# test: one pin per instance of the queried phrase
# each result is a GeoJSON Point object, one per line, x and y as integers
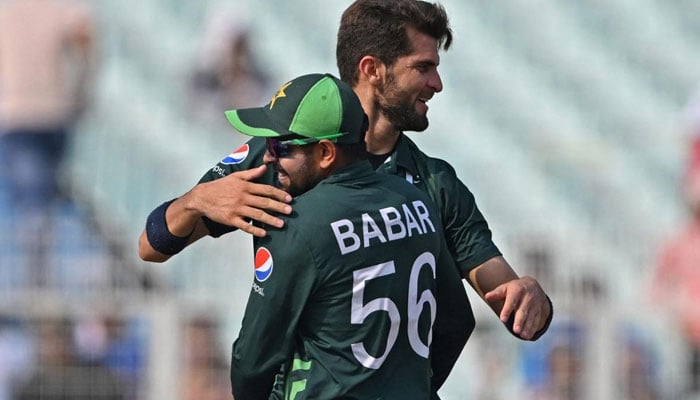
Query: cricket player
{"type": "Point", "coordinates": [355, 280]}
{"type": "Point", "coordinates": [388, 51]}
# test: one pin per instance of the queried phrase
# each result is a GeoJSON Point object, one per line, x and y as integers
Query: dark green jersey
{"type": "Point", "coordinates": [465, 229]}
{"type": "Point", "coordinates": [353, 284]}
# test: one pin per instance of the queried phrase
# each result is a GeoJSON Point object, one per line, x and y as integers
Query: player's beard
{"type": "Point", "coordinates": [303, 179]}
{"type": "Point", "coordinates": [396, 105]}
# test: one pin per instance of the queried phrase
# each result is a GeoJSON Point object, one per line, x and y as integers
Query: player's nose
{"type": "Point", "coordinates": [435, 82]}
{"type": "Point", "coordinates": [268, 158]}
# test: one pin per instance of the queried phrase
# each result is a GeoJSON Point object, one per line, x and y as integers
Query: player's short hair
{"type": "Point", "coordinates": [355, 151]}
{"type": "Point", "coordinates": [378, 28]}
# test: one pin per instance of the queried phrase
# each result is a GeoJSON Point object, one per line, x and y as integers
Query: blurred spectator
{"type": "Point", "coordinates": [206, 373]}
{"type": "Point", "coordinates": [538, 258]}
{"type": "Point", "coordinates": [553, 368]}
{"type": "Point", "coordinates": [107, 340]}
{"type": "Point", "coordinates": [495, 363]}
{"type": "Point", "coordinates": [676, 277]}
{"type": "Point", "coordinates": [45, 68]}
{"type": "Point", "coordinates": [638, 374]}
{"type": "Point", "coordinates": [58, 375]}
{"type": "Point", "coordinates": [15, 353]}
{"type": "Point", "coordinates": [227, 75]}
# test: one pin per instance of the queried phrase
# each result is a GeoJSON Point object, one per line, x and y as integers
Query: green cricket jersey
{"type": "Point", "coordinates": [353, 284]}
{"type": "Point", "coordinates": [466, 232]}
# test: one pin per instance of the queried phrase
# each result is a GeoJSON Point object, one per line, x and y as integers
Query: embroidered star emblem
{"type": "Point", "coordinates": [280, 93]}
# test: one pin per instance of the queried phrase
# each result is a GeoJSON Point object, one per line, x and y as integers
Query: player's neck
{"type": "Point", "coordinates": [381, 137]}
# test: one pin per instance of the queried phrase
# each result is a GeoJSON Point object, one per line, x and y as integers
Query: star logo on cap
{"type": "Point", "coordinates": [280, 93]}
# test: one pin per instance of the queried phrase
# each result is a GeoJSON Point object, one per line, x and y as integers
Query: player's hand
{"type": "Point", "coordinates": [525, 298]}
{"type": "Point", "coordinates": [234, 200]}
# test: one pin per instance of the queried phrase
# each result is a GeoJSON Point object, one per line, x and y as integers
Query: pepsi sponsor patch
{"type": "Point", "coordinates": [237, 156]}
{"type": "Point", "coordinates": [263, 264]}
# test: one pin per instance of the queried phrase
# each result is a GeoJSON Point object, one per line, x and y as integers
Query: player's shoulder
{"type": "Point", "coordinates": [330, 202]}
{"type": "Point", "coordinates": [401, 188]}
{"type": "Point", "coordinates": [243, 157]}
{"type": "Point", "coordinates": [425, 161]}
{"type": "Point", "coordinates": [437, 165]}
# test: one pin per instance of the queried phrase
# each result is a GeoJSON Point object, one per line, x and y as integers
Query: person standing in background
{"type": "Point", "coordinates": [58, 374]}
{"type": "Point", "coordinates": [205, 372]}
{"type": "Point", "coordinates": [226, 74]}
{"type": "Point", "coordinates": [46, 65]}
{"type": "Point", "coordinates": [675, 281]}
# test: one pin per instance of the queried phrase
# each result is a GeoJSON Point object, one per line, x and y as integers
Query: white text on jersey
{"type": "Point", "coordinates": [398, 223]}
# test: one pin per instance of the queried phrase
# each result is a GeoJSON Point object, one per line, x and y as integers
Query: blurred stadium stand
{"type": "Point", "coordinates": [564, 118]}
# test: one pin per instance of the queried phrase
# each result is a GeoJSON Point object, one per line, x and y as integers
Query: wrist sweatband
{"type": "Point", "coordinates": [158, 234]}
{"type": "Point", "coordinates": [546, 324]}
{"type": "Point", "coordinates": [538, 334]}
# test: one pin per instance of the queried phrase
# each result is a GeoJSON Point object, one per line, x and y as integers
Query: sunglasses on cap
{"type": "Point", "coordinates": [280, 148]}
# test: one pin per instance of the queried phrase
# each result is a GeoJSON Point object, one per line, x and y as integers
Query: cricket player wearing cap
{"type": "Point", "coordinates": [350, 293]}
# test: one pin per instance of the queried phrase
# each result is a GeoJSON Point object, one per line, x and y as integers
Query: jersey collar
{"type": "Point", "coordinates": [352, 172]}
{"type": "Point", "coordinates": [401, 158]}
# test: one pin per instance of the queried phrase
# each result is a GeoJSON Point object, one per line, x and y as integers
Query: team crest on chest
{"type": "Point", "coordinates": [237, 156]}
{"type": "Point", "coordinates": [263, 264]}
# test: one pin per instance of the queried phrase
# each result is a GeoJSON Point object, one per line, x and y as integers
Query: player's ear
{"type": "Point", "coordinates": [326, 153]}
{"type": "Point", "coordinates": [372, 69]}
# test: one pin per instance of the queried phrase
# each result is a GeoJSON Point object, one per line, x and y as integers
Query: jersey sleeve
{"type": "Point", "coordinates": [467, 233]}
{"type": "Point", "coordinates": [275, 306]}
{"type": "Point", "coordinates": [247, 156]}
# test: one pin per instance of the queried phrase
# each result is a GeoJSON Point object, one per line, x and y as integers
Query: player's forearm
{"type": "Point", "coordinates": [170, 228]}
{"type": "Point", "coordinates": [183, 214]}
{"type": "Point", "coordinates": [148, 253]}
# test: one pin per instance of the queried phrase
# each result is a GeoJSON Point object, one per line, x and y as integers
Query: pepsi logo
{"type": "Point", "coordinates": [237, 156]}
{"type": "Point", "coordinates": [263, 264]}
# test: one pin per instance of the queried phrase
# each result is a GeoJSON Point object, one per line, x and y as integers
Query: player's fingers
{"type": "Point", "coordinates": [523, 321]}
{"type": "Point", "coordinates": [510, 305]}
{"type": "Point", "coordinates": [499, 296]}
{"type": "Point", "coordinates": [270, 191]}
{"type": "Point", "coordinates": [250, 174]}
{"type": "Point", "coordinates": [259, 215]}
{"type": "Point", "coordinates": [499, 293]}
{"type": "Point", "coordinates": [261, 189]}
{"type": "Point", "coordinates": [269, 198]}
{"type": "Point", "coordinates": [534, 303]}
{"type": "Point", "coordinates": [530, 323]}
{"type": "Point", "coordinates": [253, 230]}
{"type": "Point", "coordinates": [248, 227]}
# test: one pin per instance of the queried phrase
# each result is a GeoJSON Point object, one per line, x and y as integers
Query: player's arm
{"type": "Point", "coordinates": [520, 302]}
{"type": "Point", "coordinates": [233, 201]}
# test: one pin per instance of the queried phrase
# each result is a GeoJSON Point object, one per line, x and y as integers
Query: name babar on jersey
{"type": "Point", "coordinates": [395, 223]}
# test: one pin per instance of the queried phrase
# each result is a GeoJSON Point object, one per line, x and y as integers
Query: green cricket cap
{"type": "Point", "coordinates": [318, 106]}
